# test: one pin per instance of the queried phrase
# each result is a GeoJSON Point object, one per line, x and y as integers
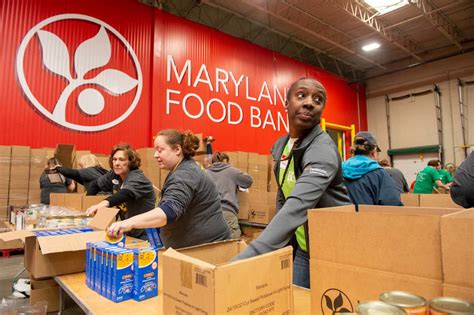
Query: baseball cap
{"type": "Point", "coordinates": [366, 137]}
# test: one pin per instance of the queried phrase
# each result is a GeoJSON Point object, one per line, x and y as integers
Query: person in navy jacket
{"type": "Point", "coordinates": [367, 182]}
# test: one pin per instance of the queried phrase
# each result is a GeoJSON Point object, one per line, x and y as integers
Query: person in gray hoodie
{"type": "Point", "coordinates": [228, 179]}
{"type": "Point", "coordinates": [309, 174]}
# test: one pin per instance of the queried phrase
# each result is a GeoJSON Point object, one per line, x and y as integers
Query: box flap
{"type": "Point", "coordinates": [103, 218]}
{"type": "Point", "coordinates": [68, 242]}
{"type": "Point", "coordinates": [15, 235]}
{"type": "Point", "coordinates": [213, 253]}
{"type": "Point", "coordinates": [408, 210]}
{"type": "Point", "coordinates": [387, 240]}
{"type": "Point", "coordinates": [437, 200]}
{"type": "Point", "coordinates": [457, 241]}
{"type": "Point", "coordinates": [171, 253]}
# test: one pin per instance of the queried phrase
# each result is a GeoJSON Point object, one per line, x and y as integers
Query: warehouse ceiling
{"type": "Point", "coordinates": [330, 34]}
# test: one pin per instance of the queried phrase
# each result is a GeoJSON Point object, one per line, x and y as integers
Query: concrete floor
{"type": "Point", "coordinates": [10, 267]}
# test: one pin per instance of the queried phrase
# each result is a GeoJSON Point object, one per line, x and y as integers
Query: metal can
{"type": "Point", "coordinates": [378, 308]}
{"type": "Point", "coordinates": [411, 303]}
{"type": "Point", "coordinates": [450, 306]}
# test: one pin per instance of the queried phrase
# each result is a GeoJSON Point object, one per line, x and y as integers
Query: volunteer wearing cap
{"type": "Point", "coordinates": [308, 171]}
{"type": "Point", "coordinates": [367, 182]}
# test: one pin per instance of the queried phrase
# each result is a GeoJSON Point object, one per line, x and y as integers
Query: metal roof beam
{"type": "Point", "coordinates": [251, 4]}
{"type": "Point", "coordinates": [364, 15]}
{"type": "Point", "coordinates": [438, 19]}
{"type": "Point", "coordinates": [291, 39]}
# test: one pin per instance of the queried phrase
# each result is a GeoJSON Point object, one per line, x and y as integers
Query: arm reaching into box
{"type": "Point", "coordinates": [93, 209]}
{"type": "Point", "coordinates": [153, 218]}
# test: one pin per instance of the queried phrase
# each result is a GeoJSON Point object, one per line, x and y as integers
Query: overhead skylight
{"type": "Point", "coordinates": [385, 6]}
{"type": "Point", "coordinates": [371, 46]}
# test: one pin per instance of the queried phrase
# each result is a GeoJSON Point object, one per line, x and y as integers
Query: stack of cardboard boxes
{"type": "Point", "coordinates": [19, 176]}
{"type": "Point", "coordinates": [149, 165]}
{"type": "Point", "coordinates": [5, 157]}
{"type": "Point", "coordinates": [79, 188]}
{"type": "Point", "coordinates": [38, 160]}
{"type": "Point", "coordinates": [258, 205]}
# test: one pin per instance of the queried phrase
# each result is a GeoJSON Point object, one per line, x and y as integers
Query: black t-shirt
{"type": "Point", "coordinates": [47, 187]}
{"type": "Point", "coordinates": [143, 192]}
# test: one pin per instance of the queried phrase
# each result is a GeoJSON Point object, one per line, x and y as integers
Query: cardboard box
{"type": "Point", "coordinates": [14, 244]}
{"type": "Point", "coordinates": [437, 200]}
{"type": "Point", "coordinates": [244, 205]}
{"type": "Point", "coordinates": [49, 256]}
{"type": "Point", "coordinates": [410, 200]}
{"type": "Point", "coordinates": [73, 201]}
{"type": "Point", "coordinates": [45, 290]}
{"type": "Point", "coordinates": [88, 201]}
{"type": "Point", "coordinates": [201, 279]}
{"type": "Point", "coordinates": [359, 255]}
{"type": "Point", "coordinates": [457, 241]}
{"type": "Point", "coordinates": [262, 213]}
{"type": "Point", "coordinates": [104, 161]}
{"type": "Point", "coordinates": [66, 154]}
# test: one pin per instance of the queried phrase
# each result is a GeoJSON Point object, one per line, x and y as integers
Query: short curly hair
{"type": "Point", "coordinates": [133, 156]}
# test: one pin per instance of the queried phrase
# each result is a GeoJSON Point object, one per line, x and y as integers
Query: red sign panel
{"type": "Point", "coordinates": [77, 72]}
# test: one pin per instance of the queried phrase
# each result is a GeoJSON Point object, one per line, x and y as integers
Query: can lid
{"type": "Point", "coordinates": [452, 305]}
{"type": "Point", "coordinates": [402, 299]}
{"type": "Point", "coordinates": [378, 308]}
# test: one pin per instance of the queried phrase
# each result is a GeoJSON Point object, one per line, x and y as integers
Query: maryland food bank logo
{"type": "Point", "coordinates": [91, 56]}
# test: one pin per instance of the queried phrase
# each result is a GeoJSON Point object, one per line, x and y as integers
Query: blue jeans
{"type": "Point", "coordinates": [301, 268]}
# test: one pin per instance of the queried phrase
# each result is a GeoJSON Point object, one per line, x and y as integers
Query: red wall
{"type": "Point", "coordinates": [161, 41]}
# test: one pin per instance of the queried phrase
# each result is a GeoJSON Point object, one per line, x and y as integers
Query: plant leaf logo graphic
{"type": "Point", "coordinates": [335, 301]}
{"type": "Point", "coordinates": [55, 54]}
{"type": "Point", "coordinates": [93, 53]}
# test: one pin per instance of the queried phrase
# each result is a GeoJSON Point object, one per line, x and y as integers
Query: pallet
{"type": "Point", "coordinates": [11, 251]}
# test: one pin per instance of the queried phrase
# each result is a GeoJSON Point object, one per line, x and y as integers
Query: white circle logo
{"type": "Point", "coordinates": [93, 53]}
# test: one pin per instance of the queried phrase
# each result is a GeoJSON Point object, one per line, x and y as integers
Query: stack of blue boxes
{"type": "Point", "coordinates": [120, 273]}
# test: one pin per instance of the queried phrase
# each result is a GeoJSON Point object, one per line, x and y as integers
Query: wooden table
{"type": "Point", "coordinates": [93, 303]}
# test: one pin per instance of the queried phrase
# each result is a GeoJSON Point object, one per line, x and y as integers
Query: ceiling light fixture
{"type": "Point", "coordinates": [385, 6]}
{"type": "Point", "coordinates": [371, 46]}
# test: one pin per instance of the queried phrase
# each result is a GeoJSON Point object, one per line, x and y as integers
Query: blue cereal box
{"type": "Point", "coordinates": [145, 273]}
{"type": "Point", "coordinates": [113, 251]}
{"type": "Point", "coordinates": [154, 238]}
{"type": "Point", "coordinates": [122, 276]}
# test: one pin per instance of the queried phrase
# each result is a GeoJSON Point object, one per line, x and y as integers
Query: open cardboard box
{"type": "Point", "coordinates": [49, 256]}
{"type": "Point", "coordinates": [79, 202]}
{"type": "Point", "coordinates": [356, 256]}
{"type": "Point", "coordinates": [438, 201]}
{"type": "Point", "coordinates": [201, 279]}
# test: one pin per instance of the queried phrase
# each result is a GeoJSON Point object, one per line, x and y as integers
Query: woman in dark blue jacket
{"type": "Point", "coordinates": [367, 182]}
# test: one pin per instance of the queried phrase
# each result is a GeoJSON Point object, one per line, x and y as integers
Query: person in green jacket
{"type": "Point", "coordinates": [428, 177]}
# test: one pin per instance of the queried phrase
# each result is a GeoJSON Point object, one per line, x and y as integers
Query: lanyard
{"type": "Point", "coordinates": [289, 158]}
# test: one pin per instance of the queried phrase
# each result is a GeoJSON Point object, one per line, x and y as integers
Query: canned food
{"type": "Point", "coordinates": [378, 308]}
{"type": "Point", "coordinates": [450, 306]}
{"type": "Point", "coordinates": [411, 303]}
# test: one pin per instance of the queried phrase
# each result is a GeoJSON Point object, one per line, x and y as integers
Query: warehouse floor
{"type": "Point", "coordinates": [11, 267]}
